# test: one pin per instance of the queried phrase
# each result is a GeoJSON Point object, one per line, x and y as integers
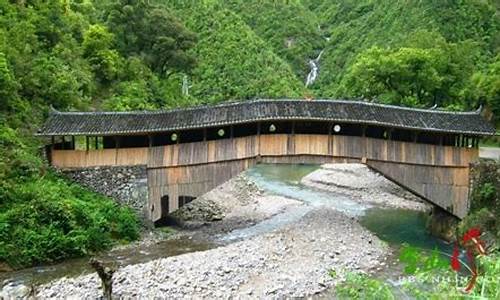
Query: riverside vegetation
{"type": "Point", "coordinates": [137, 55]}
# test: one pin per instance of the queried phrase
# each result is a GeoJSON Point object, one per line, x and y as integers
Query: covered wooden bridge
{"type": "Point", "coordinates": [190, 151]}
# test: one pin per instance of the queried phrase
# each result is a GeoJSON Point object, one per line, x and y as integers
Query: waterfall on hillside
{"type": "Point", "coordinates": [185, 86]}
{"type": "Point", "coordinates": [314, 65]}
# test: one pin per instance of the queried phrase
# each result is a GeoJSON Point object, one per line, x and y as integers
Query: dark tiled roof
{"type": "Point", "coordinates": [122, 123]}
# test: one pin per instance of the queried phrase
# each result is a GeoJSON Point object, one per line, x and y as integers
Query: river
{"type": "Point", "coordinates": [395, 226]}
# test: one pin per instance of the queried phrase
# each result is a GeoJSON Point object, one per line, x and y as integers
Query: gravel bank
{"type": "Point", "coordinates": [238, 203]}
{"type": "Point", "coordinates": [290, 262]}
{"type": "Point", "coordinates": [360, 183]}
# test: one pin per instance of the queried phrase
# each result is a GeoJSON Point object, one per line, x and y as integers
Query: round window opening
{"type": "Point", "coordinates": [336, 128]}
{"type": "Point", "coordinates": [272, 128]}
{"type": "Point", "coordinates": [174, 137]}
{"type": "Point", "coordinates": [220, 132]}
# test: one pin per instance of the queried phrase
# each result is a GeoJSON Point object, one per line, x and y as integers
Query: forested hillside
{"type": "Point", "coordinates": [135, 55]}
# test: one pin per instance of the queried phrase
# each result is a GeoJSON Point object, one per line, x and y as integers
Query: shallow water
{"type": "Point", "coordinates": [284, 180]}
{"type": "Point", "coordinates": [398, 226]}
{"type": "Point", "coordinates": [116, 258]}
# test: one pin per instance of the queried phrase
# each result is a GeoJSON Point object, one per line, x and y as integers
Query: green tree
{"type": "Point", "coordinates": [52, 81]}
{"type": "Point", "coordinates": [426, 71]}
{"type": "Point", "coordinates": [106, 62]}
{"type": "Point", "coordinates": [404, 76]}
{"type": "Point", "coordinates": [487, 87]}
{"type": "Point", "coordinates": [150, 31]}
{"type": "Point", "coordinates": [8, 84]}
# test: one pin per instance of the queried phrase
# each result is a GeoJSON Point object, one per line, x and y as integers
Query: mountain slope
{"type": "Point", "coordinates": [233, 62]}
{"type": "Point", "coordinates": [290, 29]}
{"type": "Point", "coordinates": [354, 26]}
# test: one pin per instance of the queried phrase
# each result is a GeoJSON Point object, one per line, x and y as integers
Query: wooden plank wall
{"type": "Point", "coordinates": [267, 145]}
{"type": "Point", "coordinates": [99, 158]}
{"type": "Point", "coordinates": [438, 173]}
{"type": "Point", "coordinates": [447, 187]}
{"type": "Point", "coordinates": [193, 180]}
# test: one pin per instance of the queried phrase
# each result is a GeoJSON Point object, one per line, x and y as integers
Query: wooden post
{"type": "Point", "coordinates": [363, 133]}
{"type": "Point", "coordinates": [96, 143]}
{"type": "Point", "coordinates": [205, 134]}
{"type": "Point", "coordinates": [87, 142]}
{"type": "Point", "coordinates": [231, 131]}
{"type": "Point", "coordinates": [53, 142]}
{"type": "Point", "coordinates": [150, 141]}
{"type": "Point", "coordinates": [258, 142]}
{"type": "Point", "coordinates": [73, 142]}
{"type": "Point", "coordinates": [63, 142]}
{"type": "Point", "coordinates": [415, 137]}
{"type": "Point", "coordinates": [293, 127]}
{"type": "Point", "coordinates": [106, 276]}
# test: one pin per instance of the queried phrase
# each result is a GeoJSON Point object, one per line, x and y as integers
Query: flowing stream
{"type": "Point", "coordinates": [393, 226]}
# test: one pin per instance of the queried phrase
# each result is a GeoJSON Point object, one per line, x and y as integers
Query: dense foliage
{"type": "Point", "coordinates": [135, 54]}
{"type": "Point", "coordinates": [43, 218]}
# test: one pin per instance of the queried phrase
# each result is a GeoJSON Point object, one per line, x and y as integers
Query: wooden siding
{"type": "Point", "coordinates": [447, 187]}
{"type": "Point", "coordinates": [437, 173]}
{"type": "Point", "coordinates": [194, 180]}
{"type": "Point", "coordinates": [268, 145]}
{"type": "Point", "coordinates": [99, 158]}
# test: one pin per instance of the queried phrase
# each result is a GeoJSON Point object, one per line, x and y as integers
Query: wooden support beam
{"type": "Point", "coordinates": [150, 141]}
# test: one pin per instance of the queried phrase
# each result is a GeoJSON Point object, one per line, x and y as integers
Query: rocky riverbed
{"type": "Point", "coordinates": [290, 262]}
{"type": "Point", "coordinates": [288, 259]}
{"type": "Point", "coordinates": [238, 203]}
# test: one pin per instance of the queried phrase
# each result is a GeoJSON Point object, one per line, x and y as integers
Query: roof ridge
{"type": "Point", "coordinates": [263, 100]}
